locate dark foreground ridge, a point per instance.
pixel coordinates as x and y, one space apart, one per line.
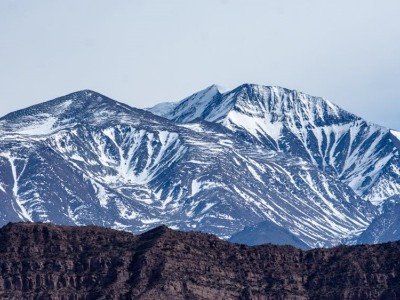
44 261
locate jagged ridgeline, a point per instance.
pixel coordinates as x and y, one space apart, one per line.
258 161
44 261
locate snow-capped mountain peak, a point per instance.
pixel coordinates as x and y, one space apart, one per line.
78 108
190 108
303 125
275 103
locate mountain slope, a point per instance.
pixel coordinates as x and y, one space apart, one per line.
86 159
44 261
362 155
386 226
267 232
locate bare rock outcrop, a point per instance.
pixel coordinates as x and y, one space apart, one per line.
44 261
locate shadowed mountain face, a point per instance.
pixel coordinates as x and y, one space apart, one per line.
43 261
267 232
386 226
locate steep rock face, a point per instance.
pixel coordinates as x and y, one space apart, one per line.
43 261
361 154
87 159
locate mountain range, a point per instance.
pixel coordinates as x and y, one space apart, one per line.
255 164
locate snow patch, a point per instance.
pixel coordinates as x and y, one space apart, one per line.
396 134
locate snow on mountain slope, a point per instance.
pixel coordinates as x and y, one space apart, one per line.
163 109
396 134
385 227
334 140
86 159
80 108
203 105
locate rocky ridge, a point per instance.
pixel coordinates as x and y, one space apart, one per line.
44 261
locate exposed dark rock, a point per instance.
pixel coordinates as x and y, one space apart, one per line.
44 261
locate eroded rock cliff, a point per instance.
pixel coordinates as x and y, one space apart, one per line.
44 261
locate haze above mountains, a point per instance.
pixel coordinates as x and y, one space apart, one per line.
267 162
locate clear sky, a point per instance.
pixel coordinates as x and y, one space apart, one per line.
145 52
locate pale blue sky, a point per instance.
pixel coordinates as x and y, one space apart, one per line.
145 52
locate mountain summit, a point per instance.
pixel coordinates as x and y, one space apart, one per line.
80 108
331 138
272 104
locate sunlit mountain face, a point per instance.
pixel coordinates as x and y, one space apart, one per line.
269 162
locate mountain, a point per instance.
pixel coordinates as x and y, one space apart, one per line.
363 155
44 261
386 226
86 159
256 164
267 232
